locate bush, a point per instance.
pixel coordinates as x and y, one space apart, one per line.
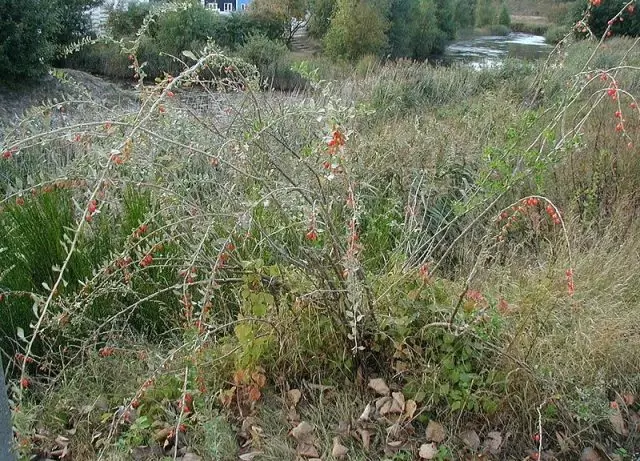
599 17
27 32
556 33
357 29
271 59
504 19
499 29
126 22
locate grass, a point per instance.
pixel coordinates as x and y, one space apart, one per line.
245 244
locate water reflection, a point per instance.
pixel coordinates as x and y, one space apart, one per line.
489 51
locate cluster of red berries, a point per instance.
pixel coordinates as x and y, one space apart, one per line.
140 231
21 358
571 287
8 154
106 351
92 209
224 257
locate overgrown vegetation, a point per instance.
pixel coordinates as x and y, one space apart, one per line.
407 260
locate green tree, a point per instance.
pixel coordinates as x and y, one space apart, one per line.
400 18
290 12
600 15
485 13
27 32
465 14
445 13
126 22
73 20
426 38
504 18
358 28
321 12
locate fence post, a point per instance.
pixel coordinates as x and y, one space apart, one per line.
6 430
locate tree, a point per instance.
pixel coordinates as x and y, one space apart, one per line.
358 28
27 38
73 19
504 18
290 12
320 12
426 38
600 15
465 14
445 14
485 13
126 22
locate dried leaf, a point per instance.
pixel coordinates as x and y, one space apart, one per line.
394 431
470 439
338 450
386 406
366 414
397 405
249 456
590 454
492 443
307 450
302 432
428 451
435 432
379 386
410 409
294 396
191 457
365 436
395 443
617 421
254 394
162 434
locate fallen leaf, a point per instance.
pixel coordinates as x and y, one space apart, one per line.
365 436
470 439
302 431
435 432
162 434
590 454
617 421
379 386
395 443
492 443
249 456
410 409
338 450
307 450
395 431
366 414
397 405
294 396
428 451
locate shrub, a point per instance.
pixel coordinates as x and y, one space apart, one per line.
504 19
556 33
27 32
126 22
357 29
599 16
271 59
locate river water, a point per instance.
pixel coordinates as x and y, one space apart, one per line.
489 51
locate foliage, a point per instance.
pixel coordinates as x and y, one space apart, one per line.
504 18
126 22
465 14
357 29
27 38
485 13
434 227
598 16
321 12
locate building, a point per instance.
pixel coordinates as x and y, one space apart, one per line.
226 6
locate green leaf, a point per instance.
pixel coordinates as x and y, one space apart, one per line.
189 54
